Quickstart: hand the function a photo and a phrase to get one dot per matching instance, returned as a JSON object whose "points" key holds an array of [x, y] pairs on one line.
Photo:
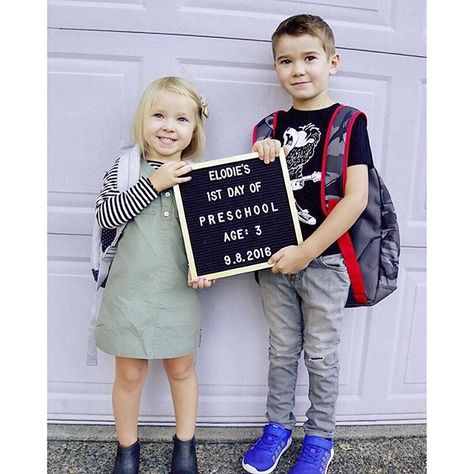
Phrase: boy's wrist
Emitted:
{"points": [[308, 251]]}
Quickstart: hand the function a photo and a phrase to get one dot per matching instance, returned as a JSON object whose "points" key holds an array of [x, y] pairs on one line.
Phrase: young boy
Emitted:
{"points": [[305, 291]]}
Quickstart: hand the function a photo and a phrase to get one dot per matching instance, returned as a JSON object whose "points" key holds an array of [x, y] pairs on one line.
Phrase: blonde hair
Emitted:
{"points": [[299, 25], [151, 95]]}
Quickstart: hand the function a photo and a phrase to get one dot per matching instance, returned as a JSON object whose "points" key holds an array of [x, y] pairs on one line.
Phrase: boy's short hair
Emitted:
{"points": [[299, 25], [152, 93]]}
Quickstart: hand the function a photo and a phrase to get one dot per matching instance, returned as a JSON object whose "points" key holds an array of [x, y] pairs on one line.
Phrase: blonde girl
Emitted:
{"points": [[149, 308]]}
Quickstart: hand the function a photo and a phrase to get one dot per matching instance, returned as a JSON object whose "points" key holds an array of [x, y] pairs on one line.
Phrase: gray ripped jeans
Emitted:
{"points": [[304, 312]]}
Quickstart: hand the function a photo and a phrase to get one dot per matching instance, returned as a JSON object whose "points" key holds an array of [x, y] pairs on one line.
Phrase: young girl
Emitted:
{"points": [[149, 308]]}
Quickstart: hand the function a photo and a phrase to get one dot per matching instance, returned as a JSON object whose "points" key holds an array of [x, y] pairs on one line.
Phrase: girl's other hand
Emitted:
{"points": [[169, 174], [199, 283]]}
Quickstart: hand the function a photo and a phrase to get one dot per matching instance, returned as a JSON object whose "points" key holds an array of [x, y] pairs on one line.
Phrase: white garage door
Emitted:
{"points": [[101, 56]]}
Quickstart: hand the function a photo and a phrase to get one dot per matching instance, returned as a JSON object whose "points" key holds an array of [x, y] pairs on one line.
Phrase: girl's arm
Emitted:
{"points": [[114, 208], [293, 259]]}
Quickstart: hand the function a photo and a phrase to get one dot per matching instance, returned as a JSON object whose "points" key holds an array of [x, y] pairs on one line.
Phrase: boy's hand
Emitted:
{"points": [[289, 260], [200, 283], [169, 174], [267, 149]]}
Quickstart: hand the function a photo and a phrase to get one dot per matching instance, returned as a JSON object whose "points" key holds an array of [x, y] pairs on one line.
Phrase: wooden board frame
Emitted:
{"points": [[184, 224]]}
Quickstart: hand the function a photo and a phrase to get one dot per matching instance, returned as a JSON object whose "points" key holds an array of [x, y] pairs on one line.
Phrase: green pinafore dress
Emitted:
{"points": [[148, 310]]}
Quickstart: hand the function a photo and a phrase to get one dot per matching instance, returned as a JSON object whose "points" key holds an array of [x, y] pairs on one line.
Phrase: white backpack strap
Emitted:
{"points": [[95, 248], [134, 166], [123, 170], [128, 171]]}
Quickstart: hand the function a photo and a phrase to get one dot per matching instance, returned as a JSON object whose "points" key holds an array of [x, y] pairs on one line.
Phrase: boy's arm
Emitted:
{"points": [[293, 259]]}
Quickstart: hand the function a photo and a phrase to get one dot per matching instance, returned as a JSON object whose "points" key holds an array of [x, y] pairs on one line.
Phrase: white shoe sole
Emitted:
{"points": [[253, 470], [329, 462]]}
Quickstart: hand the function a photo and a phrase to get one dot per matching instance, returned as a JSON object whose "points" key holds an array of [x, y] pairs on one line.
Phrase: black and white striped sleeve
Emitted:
{"points": [[114, 208]]}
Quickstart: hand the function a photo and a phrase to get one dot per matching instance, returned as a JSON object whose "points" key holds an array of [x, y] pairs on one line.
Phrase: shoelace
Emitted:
{"points": [[312, 454], [267, 442]]}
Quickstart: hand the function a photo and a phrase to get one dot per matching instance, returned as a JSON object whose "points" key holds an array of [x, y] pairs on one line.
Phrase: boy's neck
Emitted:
{"points": [[315, 103]]}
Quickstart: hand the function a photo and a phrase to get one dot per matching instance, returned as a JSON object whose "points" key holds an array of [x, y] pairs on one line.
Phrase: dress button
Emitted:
{"points": [[167, 194], [166, 213]]}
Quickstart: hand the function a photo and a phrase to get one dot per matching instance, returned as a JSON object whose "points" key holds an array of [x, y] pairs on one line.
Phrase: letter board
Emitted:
{"points": [[235, 213]]}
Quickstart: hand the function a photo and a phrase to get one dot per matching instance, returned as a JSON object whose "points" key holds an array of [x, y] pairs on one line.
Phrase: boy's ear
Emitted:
{"points": [[334, 63]]}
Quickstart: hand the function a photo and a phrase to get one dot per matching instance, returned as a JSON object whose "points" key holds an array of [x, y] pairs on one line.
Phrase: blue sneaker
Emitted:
{"points": [[315, 456], [263, 456]]}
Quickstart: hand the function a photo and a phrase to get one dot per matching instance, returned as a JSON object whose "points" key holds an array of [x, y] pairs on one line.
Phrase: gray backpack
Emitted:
{"points": [[104, 241], [371, 247], [104, 244]]}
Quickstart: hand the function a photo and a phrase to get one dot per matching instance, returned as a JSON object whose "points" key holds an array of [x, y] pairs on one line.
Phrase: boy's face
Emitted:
{"points": [[303, 70]]}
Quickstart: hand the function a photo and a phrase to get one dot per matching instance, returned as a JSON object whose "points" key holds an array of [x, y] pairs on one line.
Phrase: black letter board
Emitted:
{"points": [[235, 213]]}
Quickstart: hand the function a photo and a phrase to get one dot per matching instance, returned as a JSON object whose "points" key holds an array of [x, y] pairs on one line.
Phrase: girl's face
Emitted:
{"points": [[170, 126]]}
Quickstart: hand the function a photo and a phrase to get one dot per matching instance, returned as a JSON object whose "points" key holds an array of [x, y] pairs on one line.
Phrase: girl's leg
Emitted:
{"points": [[184, 391], [130, 377]]}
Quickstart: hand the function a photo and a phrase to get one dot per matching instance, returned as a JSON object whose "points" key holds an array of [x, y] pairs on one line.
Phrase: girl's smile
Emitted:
{"points": [[166, 140]]}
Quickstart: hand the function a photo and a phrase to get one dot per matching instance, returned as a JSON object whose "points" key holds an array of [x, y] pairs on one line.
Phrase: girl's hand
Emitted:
{"points": [[200, 283], [169, 174], [289, 260]]}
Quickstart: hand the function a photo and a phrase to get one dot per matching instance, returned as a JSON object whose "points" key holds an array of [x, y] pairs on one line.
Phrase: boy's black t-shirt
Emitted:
{"points": [[304, 131]]}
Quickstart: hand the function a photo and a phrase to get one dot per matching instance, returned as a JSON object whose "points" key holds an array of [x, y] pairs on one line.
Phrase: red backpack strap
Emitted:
{"points": [[266, 127], [352, 264], [333, 183]]}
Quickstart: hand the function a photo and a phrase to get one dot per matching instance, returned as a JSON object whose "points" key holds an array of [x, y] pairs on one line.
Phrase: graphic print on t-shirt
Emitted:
{"points": [[301, 145]]}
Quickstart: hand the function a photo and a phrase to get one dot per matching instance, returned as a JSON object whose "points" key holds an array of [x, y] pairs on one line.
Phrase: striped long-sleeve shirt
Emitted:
{"points": [[114, 208]]}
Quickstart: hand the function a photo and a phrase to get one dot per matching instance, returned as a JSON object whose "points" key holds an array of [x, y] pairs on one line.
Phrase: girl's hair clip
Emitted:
{"points": [[204, 107]]}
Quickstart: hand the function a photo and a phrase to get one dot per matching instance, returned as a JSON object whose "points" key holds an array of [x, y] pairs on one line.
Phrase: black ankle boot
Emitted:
{"points": [[127, 459], [184, 457]]}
